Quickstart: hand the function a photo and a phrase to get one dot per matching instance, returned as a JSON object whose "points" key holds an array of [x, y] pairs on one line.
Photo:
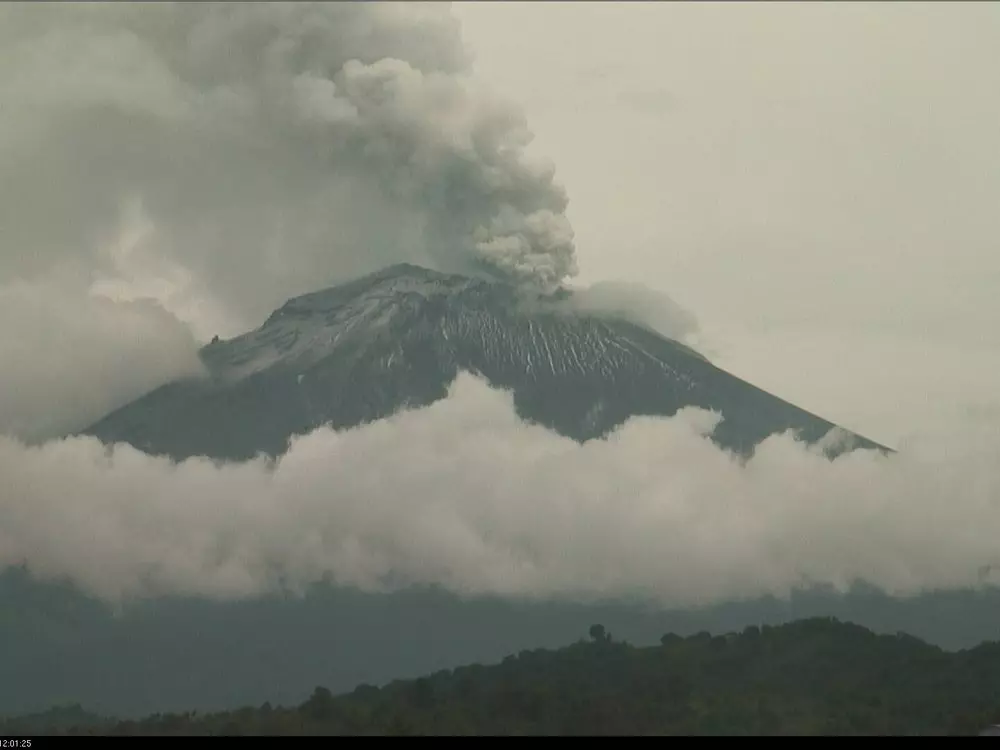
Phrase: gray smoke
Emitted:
{"points": [[464, 495], [271, 149], [637, 304]]}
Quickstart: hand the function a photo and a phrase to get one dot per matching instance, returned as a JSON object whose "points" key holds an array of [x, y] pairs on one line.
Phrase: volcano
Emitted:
{"points": [[397, 339]]}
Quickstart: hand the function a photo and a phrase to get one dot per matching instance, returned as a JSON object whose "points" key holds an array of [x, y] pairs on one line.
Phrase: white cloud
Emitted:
{"points": [[464, 495]]}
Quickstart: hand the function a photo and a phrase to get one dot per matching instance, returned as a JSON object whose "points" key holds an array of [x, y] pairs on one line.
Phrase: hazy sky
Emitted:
{"points": [[817, 182]]}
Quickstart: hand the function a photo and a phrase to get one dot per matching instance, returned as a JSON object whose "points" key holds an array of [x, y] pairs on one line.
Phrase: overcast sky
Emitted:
{"points": [[817, 182]]}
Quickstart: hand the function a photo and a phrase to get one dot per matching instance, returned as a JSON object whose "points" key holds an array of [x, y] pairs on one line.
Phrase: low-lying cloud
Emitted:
{"points": [[463, 495]]}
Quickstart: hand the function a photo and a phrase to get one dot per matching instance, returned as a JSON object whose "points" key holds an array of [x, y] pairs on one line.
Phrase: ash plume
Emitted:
{"points": [[275, 148]]}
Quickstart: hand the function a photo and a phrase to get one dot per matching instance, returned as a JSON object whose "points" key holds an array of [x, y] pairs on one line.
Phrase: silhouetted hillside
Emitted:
{"points": [[811, 677]]}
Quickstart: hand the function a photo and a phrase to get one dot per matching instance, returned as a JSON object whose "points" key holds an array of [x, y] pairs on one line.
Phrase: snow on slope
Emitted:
{"points": [[483, 313]]}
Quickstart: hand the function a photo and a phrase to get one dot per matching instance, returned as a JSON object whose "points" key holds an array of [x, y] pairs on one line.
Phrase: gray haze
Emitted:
{"points": [[464, 495]]}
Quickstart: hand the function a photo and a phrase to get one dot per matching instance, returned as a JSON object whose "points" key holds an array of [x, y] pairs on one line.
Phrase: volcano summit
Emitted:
{"points": [[397, 338]]}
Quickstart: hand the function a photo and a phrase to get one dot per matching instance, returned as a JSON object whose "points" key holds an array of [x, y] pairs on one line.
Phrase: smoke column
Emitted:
{"points": [[272, 148]]}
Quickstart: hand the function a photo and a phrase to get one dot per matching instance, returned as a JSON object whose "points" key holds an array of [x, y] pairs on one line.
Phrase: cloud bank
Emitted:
{"points": [[463, 495]]}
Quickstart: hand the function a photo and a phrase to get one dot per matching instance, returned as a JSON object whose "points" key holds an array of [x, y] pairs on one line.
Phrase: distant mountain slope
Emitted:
{"points": [[361, 351]]}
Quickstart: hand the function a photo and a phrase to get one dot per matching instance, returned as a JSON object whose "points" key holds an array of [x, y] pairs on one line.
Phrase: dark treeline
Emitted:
{"points": [[811, 677]]}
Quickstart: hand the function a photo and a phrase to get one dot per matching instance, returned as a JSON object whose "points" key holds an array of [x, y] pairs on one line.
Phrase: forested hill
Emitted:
{"points": [[816, 676]]}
